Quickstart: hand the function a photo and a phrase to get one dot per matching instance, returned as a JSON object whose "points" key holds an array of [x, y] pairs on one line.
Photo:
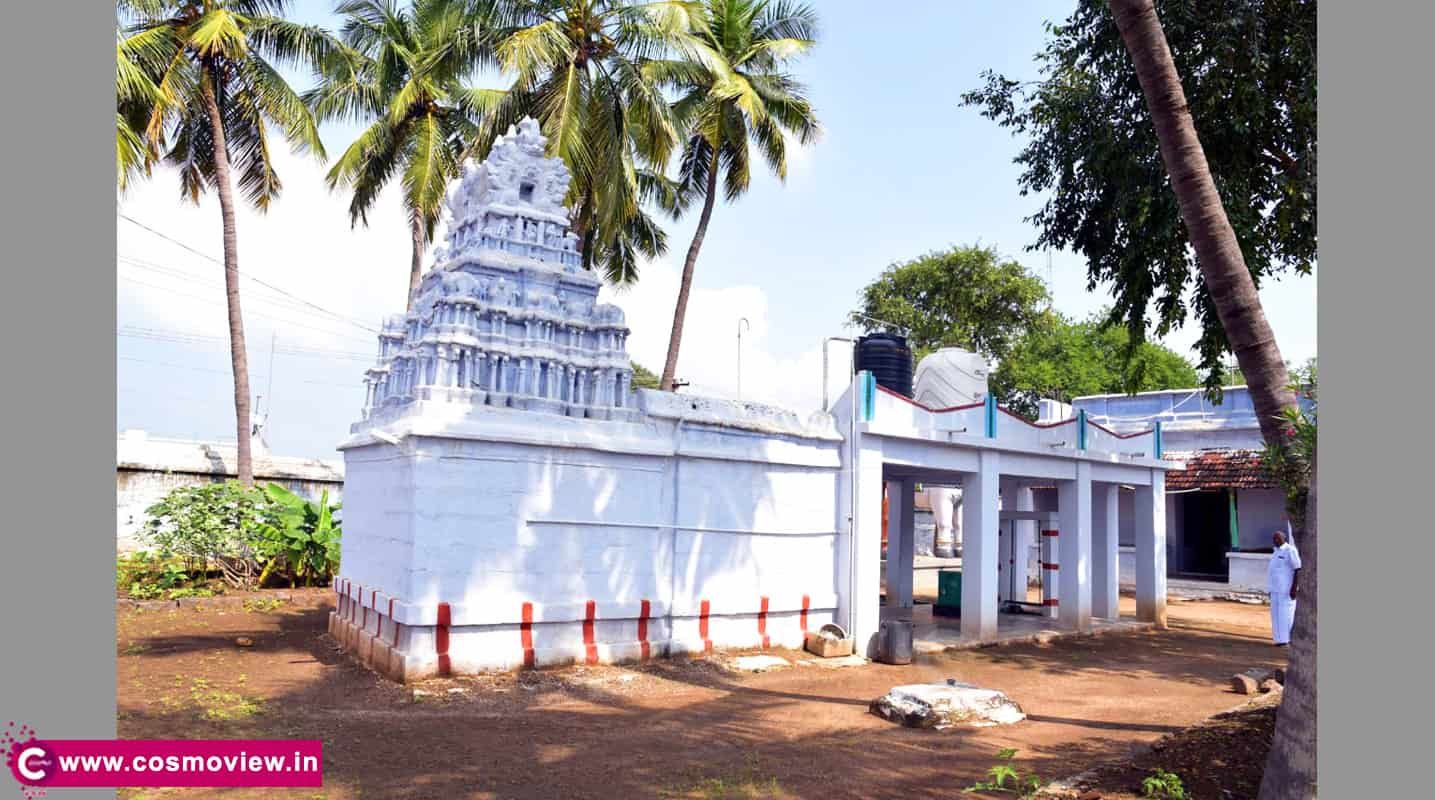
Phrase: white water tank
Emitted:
{"points": [[950, 377]]}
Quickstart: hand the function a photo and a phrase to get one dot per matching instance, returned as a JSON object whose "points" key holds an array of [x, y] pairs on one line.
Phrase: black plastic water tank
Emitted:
{"points": [[889, 359]]}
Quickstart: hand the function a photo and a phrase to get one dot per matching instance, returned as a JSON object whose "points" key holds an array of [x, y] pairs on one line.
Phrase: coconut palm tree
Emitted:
{"points": [[1290, 771], [136, 59], [217, 89], [733, 93], [402, 71], [577, 67]]}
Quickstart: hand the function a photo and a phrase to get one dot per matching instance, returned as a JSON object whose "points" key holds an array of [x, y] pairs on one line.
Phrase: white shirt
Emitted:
{"points": [[1281, 572]]}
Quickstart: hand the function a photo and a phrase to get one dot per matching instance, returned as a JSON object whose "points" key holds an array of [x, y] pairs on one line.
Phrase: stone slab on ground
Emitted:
{"points": [[838, 663], [758, 663], [943, 705]]}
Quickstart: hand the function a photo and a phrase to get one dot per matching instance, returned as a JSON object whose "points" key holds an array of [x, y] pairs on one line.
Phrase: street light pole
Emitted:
{"points": [[740, 323]]}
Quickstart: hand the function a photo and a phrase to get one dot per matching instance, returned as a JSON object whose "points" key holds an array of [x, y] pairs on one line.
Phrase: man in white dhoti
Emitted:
{"points": [[1283, 582]]}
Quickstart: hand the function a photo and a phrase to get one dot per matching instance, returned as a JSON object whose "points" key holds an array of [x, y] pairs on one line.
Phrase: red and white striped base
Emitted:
{"points": [[408, 642]]}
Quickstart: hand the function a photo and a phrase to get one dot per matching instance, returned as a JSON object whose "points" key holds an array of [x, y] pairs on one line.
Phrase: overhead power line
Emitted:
{"points": [[183, 337], [270, 286]]}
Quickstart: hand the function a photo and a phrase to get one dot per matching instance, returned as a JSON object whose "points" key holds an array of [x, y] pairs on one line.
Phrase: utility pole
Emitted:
{"points": [[740, 323]]}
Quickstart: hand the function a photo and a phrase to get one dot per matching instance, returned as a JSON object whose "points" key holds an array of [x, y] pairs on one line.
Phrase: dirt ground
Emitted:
{"points": [[680, 728]]}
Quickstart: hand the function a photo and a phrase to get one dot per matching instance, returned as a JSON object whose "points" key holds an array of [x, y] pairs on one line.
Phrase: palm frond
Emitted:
{"points": [[276, 100]]}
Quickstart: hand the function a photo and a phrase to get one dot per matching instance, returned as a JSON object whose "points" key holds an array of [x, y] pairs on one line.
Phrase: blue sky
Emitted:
{"points": [[901, 169]]}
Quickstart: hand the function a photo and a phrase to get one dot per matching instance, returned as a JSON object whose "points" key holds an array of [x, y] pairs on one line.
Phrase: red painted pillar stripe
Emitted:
{"points": [[1052, 601], [526, 634], [703, 627], [762, 623], [394, 620], [806, 603], [358, 601], [643, 630], [445, 618], [1050, 533], [1052, 565], [588, 644]]}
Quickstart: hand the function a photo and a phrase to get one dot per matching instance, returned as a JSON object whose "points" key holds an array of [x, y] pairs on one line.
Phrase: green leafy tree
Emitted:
{"points": [[644, 378], [218, 91], [1061, 359], [965, 297], [733, 92], [578, 70], [1248, 68], [403, 73]]}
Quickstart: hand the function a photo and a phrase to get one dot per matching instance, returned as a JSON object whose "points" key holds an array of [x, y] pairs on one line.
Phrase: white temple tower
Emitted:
{"points": [[511, 501]]}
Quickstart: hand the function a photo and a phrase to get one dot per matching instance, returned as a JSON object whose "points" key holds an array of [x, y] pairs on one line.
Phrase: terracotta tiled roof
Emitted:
{"points": [[1219, 469]]}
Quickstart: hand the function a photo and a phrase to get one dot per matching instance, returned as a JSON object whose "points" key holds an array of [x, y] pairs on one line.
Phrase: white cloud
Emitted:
{"points": [[708, 358]]}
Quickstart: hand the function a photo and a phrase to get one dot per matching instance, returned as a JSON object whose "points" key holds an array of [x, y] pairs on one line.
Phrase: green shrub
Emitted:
{"points": [[213, 523]]}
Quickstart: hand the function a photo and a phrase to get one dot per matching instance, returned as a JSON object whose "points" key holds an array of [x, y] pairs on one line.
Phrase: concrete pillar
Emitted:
{"points": [[1105, 563], [901, 542], [1006, 539], [859, 576], [1047, 560], [1151, 550], [979, 550], [1074, 549], [1025, 535]]}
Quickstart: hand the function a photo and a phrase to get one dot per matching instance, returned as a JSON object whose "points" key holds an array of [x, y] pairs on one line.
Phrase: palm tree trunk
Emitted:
{"points": [[1290, 767], [1290, 772], [1233, 292], [583, 229], [238, 356], [416, 261], [675, 339]]}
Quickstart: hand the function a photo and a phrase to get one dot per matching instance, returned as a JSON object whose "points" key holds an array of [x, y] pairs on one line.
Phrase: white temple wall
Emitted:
{"points": [[731, 543]]}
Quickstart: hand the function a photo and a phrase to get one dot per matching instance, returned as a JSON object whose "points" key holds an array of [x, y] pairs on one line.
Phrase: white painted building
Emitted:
{"points": [[511, 502], [1223, 506]]}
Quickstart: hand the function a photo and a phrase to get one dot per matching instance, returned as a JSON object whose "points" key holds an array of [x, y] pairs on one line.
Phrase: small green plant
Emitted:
{"points": [[263, 605], [300, 535], [149, 576], [1163, 785], [144, 591], [1006, 778], [190, 591]]}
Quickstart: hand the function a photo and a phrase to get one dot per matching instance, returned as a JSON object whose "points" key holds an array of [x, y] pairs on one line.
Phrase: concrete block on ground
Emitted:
{"points": [[943, 705], [827, 646]]}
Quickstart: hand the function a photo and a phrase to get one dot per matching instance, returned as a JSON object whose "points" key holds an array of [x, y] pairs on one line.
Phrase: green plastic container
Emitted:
{"points": [[949, 593]]}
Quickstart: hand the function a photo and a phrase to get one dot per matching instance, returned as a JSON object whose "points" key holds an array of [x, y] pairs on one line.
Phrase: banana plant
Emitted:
{"points": [[303, 535]]}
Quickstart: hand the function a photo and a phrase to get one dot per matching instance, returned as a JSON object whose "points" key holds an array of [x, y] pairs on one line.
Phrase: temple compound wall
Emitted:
{"points": [[502, 543]]}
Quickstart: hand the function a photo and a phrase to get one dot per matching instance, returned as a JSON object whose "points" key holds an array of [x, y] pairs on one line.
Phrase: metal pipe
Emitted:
{"points": [[852, 359]]}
